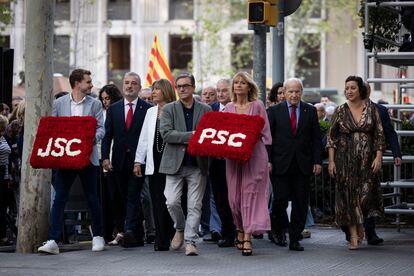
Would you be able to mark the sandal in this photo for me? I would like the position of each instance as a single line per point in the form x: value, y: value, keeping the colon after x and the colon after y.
x: 237, y: 242
x: 247, y: 251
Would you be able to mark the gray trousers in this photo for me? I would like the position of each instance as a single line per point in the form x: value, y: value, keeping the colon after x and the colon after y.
x: 173, y: 190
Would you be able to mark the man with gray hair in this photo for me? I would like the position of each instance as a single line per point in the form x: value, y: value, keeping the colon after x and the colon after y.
x: 124, y: 120
x: 209, y: 95
x: 320, y: 109
x: 295, y: 154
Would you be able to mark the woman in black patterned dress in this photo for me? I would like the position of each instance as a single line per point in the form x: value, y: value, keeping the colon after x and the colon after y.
x: 355, y: 145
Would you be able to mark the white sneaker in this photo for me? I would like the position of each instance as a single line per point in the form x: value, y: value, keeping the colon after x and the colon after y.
x: 98, y: 243
x: 115, y: 241
x: 49, y: 247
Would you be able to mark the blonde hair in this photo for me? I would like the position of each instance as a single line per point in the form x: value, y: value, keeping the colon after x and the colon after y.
x: 253, y: 89
x: 21, y: 108
x: 3, y: 123
x: 166, y: 88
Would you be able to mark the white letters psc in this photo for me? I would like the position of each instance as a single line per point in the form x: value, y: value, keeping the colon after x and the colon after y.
x: 210, y: 133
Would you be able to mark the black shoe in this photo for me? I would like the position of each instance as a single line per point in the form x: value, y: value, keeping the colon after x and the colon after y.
x: 161, y: 248
x: 129, y: 240
x: 150, y: 239
x: 374, y: 240
x: 280, y: 239
x: 258, y: 237
x: 214, y: 237
x: 270, y: 236
x: 295, y: 246
x: 226, y: 243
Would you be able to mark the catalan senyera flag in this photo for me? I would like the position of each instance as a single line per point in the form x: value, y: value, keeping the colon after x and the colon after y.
x: 158, y: 67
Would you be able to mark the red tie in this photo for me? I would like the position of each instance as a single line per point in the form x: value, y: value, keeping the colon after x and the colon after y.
x: 129, y: 117
x: 293, y: 119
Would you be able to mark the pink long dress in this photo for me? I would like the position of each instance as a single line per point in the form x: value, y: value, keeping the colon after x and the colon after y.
x: 248, y: 183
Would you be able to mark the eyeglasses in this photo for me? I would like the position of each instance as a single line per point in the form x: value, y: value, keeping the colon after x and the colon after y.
x: 184, y: 86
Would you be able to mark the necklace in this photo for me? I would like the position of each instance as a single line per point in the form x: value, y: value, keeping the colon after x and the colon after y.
x: 157, y: 134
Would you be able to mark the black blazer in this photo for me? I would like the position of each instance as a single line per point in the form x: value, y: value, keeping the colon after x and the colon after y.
x: 215, y: 106
x: 115, y: 129
x: 305, y: 146
x: 389, y: 131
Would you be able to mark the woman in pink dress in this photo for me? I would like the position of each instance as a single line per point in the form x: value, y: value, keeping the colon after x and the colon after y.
x: 248, y: 182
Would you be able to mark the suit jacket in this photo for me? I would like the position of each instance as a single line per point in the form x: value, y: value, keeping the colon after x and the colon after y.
x: 305, y: 146
x: 91, y: 107
x: 215, y: 106
x: 174, y: 132
x: 144, y: 153
x: 124, y: 141
x: 389, y: 131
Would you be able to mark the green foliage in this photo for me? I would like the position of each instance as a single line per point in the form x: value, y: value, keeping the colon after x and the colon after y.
x: 324, y: 127
x: 386, y: 21
x: 314, y: 17
x: 6, y: 15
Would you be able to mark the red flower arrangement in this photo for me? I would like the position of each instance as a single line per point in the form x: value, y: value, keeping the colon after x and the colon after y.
x: 63, y: 142
x: 228, y: 135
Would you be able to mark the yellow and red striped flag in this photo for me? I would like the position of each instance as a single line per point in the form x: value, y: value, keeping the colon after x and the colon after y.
x: 158, y: 67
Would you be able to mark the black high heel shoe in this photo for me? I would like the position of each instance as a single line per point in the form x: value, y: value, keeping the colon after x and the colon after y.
x: 237, y: 242
x: 247, y: 251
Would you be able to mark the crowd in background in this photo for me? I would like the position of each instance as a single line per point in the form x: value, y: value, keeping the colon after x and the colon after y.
x: 154, y: 192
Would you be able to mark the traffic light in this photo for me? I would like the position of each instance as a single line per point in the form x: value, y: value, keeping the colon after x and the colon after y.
x: 263, y: 12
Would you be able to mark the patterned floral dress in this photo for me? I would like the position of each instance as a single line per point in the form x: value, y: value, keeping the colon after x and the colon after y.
x: 357, y: 189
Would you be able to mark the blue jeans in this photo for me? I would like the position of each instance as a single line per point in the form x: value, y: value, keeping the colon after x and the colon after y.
x: 62, y: 183
x: 309, y: 219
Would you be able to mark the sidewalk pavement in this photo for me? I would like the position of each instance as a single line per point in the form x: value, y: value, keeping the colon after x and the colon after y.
x: 325, y: 253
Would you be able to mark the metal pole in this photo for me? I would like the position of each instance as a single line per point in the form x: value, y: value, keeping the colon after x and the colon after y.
x: 278, y: 47
x: 366, y: 29
x: 259, y: 59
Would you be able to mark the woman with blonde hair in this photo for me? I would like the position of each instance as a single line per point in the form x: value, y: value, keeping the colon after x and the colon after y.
x: 149, y: 152
x: 248, y: 182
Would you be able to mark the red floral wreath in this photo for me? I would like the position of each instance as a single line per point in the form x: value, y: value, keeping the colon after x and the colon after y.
x: 63, y: 142
x: 228, y: 135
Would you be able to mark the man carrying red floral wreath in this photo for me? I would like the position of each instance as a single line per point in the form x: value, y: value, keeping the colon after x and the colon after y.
x: 77, y: 103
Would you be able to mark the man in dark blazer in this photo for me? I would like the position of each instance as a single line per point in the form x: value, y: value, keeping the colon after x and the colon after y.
x: 124, y: 120
x: 177, y: 124
x: 218, y: 175
x: 295, y: 154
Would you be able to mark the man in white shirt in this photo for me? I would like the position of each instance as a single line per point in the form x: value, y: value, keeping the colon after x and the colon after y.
x: 77, y: 103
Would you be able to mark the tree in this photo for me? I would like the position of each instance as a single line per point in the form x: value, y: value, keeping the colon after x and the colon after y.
x: 35, y: 184
x: 305, y: 26
x: 212, y: 19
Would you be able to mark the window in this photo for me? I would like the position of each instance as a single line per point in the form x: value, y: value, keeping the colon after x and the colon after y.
x: 61, y: 49
x: 181, y: 9
x: 5, y: 41
x: 119, y: 59
x: 62, y: 10
x: 119, y: 9
x: 308, y: 63
x: 181, y: 51
x: 242, y: 52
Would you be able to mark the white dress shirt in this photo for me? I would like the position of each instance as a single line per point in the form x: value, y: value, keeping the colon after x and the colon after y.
x: 76, y: 108
x: 126, y: 107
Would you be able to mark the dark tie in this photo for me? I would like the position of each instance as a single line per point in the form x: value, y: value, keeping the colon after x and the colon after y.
x: 130, y: 114
x: 293, y: 119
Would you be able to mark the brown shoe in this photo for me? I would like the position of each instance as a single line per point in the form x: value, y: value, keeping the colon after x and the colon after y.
x: 178, y: 240
x: 191, y: 250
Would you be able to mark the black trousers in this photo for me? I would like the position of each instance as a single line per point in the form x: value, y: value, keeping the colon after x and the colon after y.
x: 220, y: 192
x: 128, y: 187
x: 294, y: 186
x: 3, y: 204
x: 164, y: 225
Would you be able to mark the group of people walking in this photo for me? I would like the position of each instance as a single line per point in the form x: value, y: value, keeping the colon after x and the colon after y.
x: 141, y: 140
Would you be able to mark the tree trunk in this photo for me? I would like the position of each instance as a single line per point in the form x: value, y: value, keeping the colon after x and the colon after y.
x: 35, y: 184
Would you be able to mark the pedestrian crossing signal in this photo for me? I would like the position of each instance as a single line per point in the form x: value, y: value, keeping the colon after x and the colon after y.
x: 263, y: 12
